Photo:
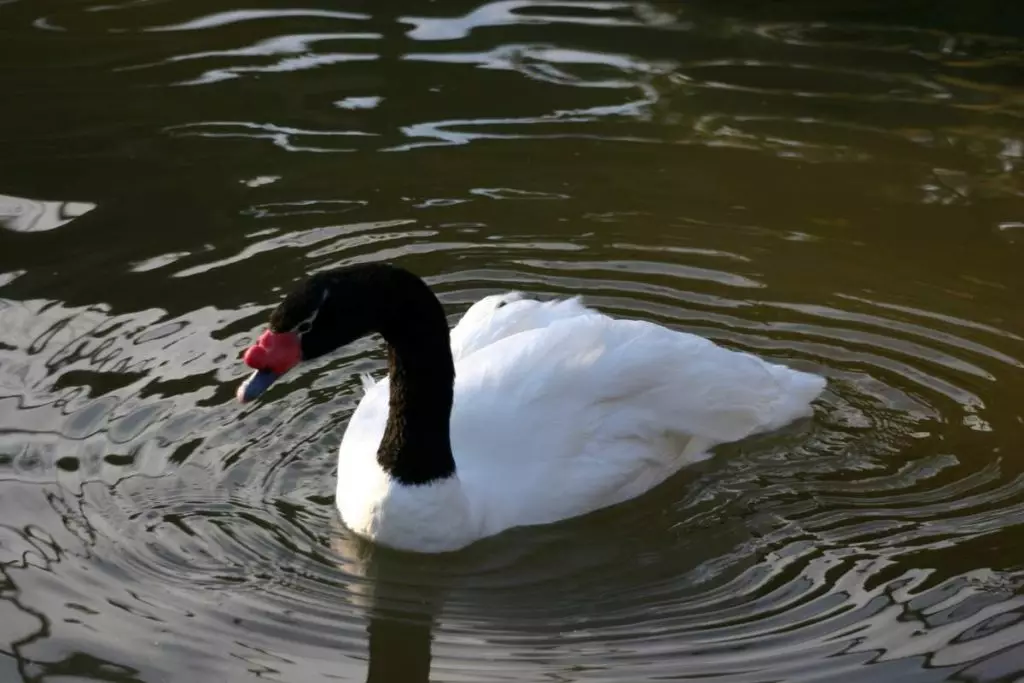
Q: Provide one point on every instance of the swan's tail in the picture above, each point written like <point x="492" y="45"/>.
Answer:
<point x="798" y="390"/>
<point x="367" y="380"/>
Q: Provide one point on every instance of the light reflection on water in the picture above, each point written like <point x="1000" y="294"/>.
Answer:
<point x="832" y="191"/>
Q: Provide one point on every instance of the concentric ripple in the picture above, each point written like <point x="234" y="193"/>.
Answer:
<point x="827" y="193"/>
<point x="784" y="557"/>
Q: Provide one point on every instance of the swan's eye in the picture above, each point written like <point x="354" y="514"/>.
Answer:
<point x="304" y="327"/>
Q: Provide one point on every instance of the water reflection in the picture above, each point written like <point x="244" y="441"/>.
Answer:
<point x="831" y="66"/>
<point x="21" y="214"/>
<point x="220" y="19"/>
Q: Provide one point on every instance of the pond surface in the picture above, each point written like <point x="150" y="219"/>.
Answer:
<point x="839" y="190"/>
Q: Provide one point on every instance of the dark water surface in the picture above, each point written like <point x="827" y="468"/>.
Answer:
<point x="837" y="186"/>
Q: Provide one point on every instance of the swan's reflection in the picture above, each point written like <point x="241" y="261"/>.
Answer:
<point x="399" y="646"/>
<point x="401" y="614"/>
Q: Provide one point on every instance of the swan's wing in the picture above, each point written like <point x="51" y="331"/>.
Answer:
<point x="590" y="410"/>
<point x="606" y="365"/>
<point x="502" y="315"/>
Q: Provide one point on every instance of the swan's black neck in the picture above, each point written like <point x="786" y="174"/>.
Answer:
<point x="416" y="448"/>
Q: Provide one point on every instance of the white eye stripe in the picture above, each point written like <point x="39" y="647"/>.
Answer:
<point x="307" y="324"/>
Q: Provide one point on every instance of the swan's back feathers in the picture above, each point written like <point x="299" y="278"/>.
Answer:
<point x="502" y="315"/>
<point x="589" y="411"/>
<point x="613" y="367"/>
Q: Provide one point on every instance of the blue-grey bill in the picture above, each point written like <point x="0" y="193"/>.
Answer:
<point x="258" y="382"/>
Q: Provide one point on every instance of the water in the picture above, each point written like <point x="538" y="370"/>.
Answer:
<point x="838" y="189"/>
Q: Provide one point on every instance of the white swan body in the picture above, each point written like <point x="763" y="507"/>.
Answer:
<point x="560" y="410"/>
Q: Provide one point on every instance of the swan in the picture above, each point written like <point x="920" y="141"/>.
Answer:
<point x="525" y="413"/>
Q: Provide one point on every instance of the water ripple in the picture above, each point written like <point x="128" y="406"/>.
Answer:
<point x="220" y="19"/>
<point x="773" y="185"/>
<point x="800" y="560"/>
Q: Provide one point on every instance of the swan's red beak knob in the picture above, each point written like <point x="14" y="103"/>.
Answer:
<point x="273" y="355"/>
<point x="276" y="351"/>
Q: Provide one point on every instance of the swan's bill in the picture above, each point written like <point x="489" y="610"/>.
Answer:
<point x="258" y="382"/>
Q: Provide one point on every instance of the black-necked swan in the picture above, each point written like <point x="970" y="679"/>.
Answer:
<point x="526" y="412"/>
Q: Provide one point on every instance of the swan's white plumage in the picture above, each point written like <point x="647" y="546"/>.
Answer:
<point x="560" y="410"/>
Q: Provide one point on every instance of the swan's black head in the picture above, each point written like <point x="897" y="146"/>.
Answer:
<point x="329" y="310"/>
<point x="325" y="312"/>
